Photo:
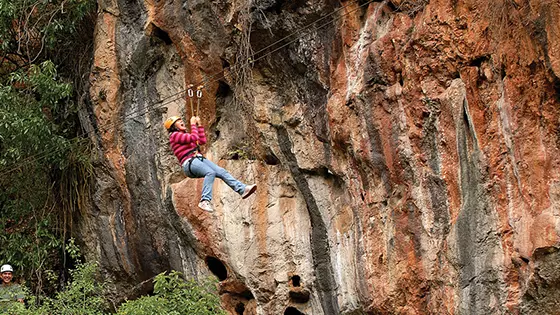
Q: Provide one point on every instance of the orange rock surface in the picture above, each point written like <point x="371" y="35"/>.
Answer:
<point x="406" y="153"/>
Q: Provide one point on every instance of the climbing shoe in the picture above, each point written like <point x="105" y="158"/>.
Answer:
<point x="249" y="190"/>
<point x="206" y="206"/>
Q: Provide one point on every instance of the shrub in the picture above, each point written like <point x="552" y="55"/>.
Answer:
<point x="175" y="296"/>
<point x="36" y="159"/>
<point x="84" y="296"/>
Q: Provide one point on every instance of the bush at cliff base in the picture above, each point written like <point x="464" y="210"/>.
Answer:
<point x="175" y="296"/>
<point x="83" y="296"/>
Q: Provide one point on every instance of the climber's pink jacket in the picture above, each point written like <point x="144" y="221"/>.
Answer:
<point x="183" y="142"/>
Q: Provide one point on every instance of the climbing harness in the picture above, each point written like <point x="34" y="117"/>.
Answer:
<point x="214" y="78"/>
<point x="197" y="155"/>
<point x="196" y="151"/>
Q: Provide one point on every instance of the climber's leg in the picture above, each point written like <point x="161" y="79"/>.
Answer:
<point x="221" y="173"/>
<point x="199" y="168"/>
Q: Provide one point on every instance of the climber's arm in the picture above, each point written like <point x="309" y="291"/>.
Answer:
<point x="201" y="135"/>
<point x="185" y="138"/>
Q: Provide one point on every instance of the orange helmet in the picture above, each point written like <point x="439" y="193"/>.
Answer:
<point x="170" y="121"/>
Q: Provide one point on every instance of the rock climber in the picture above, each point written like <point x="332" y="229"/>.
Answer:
<point x="186" y="148"/>
<point x="9" y="292"/>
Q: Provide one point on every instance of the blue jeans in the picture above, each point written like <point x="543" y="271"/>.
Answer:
<point x="205" y="168"/>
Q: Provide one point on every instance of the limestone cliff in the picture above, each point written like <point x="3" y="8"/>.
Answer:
<point x="406" y="152"/>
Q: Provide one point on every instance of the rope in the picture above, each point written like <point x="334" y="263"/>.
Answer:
<point x="205" y="82"/>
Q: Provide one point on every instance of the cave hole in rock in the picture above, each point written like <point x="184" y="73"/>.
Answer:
<point x="296" y="281"/>
<point x="223" y="89"/>
<point x="533" y="67"/>
<point x="299" y="296"/>
<point x="274" y="8"/>
<point x="217" y="267"/>
<point x="556" y="85"/>
<point x="392" y="6"/>
<point x="240" y="308"/>
<point x="271" y="159"/>
<point x="247" y="294"/>
<point x="292" y="311"/>
<point x="477" y="62"/>
<point x="225" y="63"/>
<point x="161" y="34"/>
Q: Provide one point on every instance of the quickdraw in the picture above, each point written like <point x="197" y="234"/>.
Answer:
<point x="191" y="94"/>
<point x="198" y="96"/>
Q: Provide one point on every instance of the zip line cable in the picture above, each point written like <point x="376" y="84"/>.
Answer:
<point x="203" y="83"/>
<point x="80" y="138"/>
<point x="46" y="153"/>
<point x="161" y="102"/>
<point x="250" y="60"/>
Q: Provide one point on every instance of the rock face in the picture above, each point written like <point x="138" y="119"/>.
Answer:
<point x="406" y="153"/>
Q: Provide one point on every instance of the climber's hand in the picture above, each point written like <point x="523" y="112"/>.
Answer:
<point x="193" y="120"/>
<point x="198" y="120"/>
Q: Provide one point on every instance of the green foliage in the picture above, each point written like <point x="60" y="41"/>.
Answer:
<point x="240" y="152"/>
<point x="83" y="296"/>
<point x="175" y="296"/>
<point x="44" y="168"/>
<point x="36" y="154"/>
<point x="25" y="127"/>
<point x="31" y="29"/>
